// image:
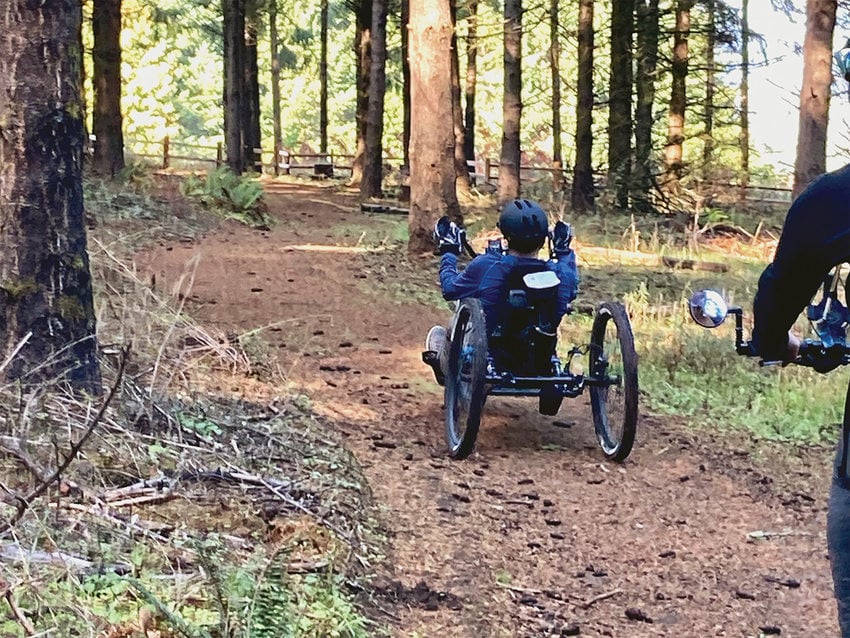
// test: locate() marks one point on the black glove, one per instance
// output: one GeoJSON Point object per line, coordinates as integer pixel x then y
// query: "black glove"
{"type": "Point", "coordinates": [561, 236]}
{"type": "Point", "coordinates": [448, 236]}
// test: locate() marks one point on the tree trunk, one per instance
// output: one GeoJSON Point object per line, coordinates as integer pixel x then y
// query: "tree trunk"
{"type": "Point", "coordinates": [432, 174]}
{"type": "Point", "coordinates": [555, 65]}
{"type": "Point", "coordinates": [620, 100]}
{"type": "Point", "coordinates": [46, 305]}
{"type": "Point", "coordinates": [814, 93]}
{"type": "Point", "coordinates": [106, 55]}
{"type": "Point", "coordinates": [461, 170]}
{"type": "Point", "coordinates": [710, 81]}
{"type": "Point", "coordinates": [251, 107]}
{"type": "Point", "coordinates": [647, 62]}
{"type": "Point", "coordinates": [323, 80]}
{"type": "Point", "coordinates": [363, 53]}
{"type": "Point", "coordinates": [277, 125]}
{"type": "Point", "coordinates": [234, 47]}
{"type": "Point", "coordinates": [405, 74]}
{"type": "Point", "coordinates": [471, 78]}
{"type": "Point", "coordinates": [582, 193]}
{"type": "Point", "coordinates": [509, 162]}
{"type": "Point", "coordinates": [373, 167]}
{"type": "Point", "coordinates": [678, 104]}
{"type": "Point", "coordinates": [745, 102]}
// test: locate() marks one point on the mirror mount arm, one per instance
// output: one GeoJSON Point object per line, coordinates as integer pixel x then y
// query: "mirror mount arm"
{"type": "Point", "coordinates": [742, 346]}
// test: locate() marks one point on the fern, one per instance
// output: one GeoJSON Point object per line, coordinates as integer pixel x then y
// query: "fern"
{"type": "Point", "coordinates": [271, 616]}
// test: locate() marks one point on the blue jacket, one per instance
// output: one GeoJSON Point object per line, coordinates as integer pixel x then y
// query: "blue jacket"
{"type": "Point", "coordinates": [815, 238]}
{"type": "Point", "coordinates": [484, 276]}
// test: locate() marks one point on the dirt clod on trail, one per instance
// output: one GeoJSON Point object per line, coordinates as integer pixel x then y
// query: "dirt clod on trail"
{"type": "Point", "coordinates": [535, 534]}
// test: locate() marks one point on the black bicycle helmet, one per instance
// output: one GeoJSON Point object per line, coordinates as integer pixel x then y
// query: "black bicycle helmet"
{"type": "Point", "coordinates": [523, 219]}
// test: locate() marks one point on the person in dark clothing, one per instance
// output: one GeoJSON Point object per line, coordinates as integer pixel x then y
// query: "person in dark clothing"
{"type": "Point", "coordinates": [815, 239]}
{"type": "Point", "coordinates": [525, 226]}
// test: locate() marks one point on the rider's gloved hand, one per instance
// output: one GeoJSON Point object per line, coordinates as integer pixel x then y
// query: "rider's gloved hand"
{"type": "Point", "coordinates": [448, 236]}
{"type": "Point", "coordinates": [561, 236]}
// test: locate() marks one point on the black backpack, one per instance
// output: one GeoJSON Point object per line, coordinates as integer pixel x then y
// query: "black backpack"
{"type": "Point", "coordinates": [523, 333]}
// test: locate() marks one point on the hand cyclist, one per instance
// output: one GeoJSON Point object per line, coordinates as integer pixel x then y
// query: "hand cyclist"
{"type": "Point", "coordinates": [525, 227]}
{"type": "Point", "coordinates": [815, 238]}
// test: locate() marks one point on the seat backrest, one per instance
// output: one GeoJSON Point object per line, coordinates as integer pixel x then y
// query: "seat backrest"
{"type": "Point", "coordinates": [523, 332]}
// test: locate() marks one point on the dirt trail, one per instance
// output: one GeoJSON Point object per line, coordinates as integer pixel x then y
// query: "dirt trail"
{"type": "Point", "coordinates": [535, 535]}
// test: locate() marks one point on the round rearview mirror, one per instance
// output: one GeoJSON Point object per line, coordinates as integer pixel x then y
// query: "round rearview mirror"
{"type": "Point", "coordinates": [708, 308]}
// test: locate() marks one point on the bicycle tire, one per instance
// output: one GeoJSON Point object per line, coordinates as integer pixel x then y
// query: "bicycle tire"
{"type": "Point", "coordinates": [614, 372]}
{"type": "Point", "coordinates": [465, 377]}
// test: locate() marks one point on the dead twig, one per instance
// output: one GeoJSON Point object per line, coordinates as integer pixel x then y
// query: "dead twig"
{"type": "Point", "coordinates": [25, 502]}
{"type": "Point", "coordinates": [23, 621]}
{"type": "Point", "coordinates": [592, 601]}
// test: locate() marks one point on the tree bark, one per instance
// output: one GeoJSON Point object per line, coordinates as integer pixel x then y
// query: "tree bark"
{"type": "Point", "coordinates": [106, 116]}
{"type": "Point", "coordinates": [251, 107]}
{"type": "Point", "coordinates": [46, 301]}
{"type": "Point", "coordinates": [620, 100]}
{"type": "Point", "coordinates": [373, 168]}
{"type": "Point", "coordinates": [234, 48]}
{"type": "Point", "coordinates": [509, 162]}
{"type": "Point", "coordinates": [471, 79]}
{"type": "Point", "coordinates": [323, 80]}
{"type": "Point", "coordinates": [277, 124]}
{"type": "Point", "coordinates": [744, 139]}
{"type": "Point", "coordinates": [555, 66]}
{"type": "Point", "coordinates": [363, 53]}
{"type": "Point", "coordinates": [582, 193]}
{"type": "Point", "coordinates": [432, 175]}
{"type": "Point", "coordinates": [461, 170]}
{"type": "Point", "coordinates": [647, 63]}
{"type": "Point", "coordinates": [814, 93]}
{"type": "Point", "coordinates": [710, 86]}
{"type": "Point", "coordinates": [678, 96]}
{"type": "Point", "coordinates": [405, 74]}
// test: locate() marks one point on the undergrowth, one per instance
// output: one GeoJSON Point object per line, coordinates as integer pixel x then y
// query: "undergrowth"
{"type": "Point", "coordinates": [189, 510]}
{"type": "Point", "coordinates": [234, 196]}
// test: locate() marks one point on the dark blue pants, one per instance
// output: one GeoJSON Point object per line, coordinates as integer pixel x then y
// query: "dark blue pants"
{"type": "Point", "coordinates": [838, 535]}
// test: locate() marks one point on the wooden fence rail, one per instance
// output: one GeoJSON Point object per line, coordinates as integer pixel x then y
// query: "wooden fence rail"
{"type": "Point", "coordinates": [325, 164]}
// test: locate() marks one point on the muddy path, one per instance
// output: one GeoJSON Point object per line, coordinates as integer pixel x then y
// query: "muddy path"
{"type": "Point", "coordinates": [697, 534]}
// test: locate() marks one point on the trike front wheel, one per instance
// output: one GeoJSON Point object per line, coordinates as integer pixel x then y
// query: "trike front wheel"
{"type": "Point", "coordinates": [465, 377]}
{"type": "Point", "coordinates": [613, 381]}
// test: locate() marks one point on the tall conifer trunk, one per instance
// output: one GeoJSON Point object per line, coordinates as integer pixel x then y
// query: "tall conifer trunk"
{"type": "Point", "coordinates": [582, 193]}
{"type": "Point", "coordinates": [363, 53]}
{"type": "Point", "coordinates": [471, 79]}
{"type": "Point", "coordinates": [234, 99]}
{"type": "Point", "coordinates": [814, 93]}
{"type": "Point", "coordinates": [620, 101]}
{"type": "Point", "coordinates": [106, 116]}
{"type": "Point", "coordinates": [555, 67]}
{"type": "Point", "coordinates": [647, 62]}
{"type": "Point", "coordinates": [678, 92]}
{"type": "Point", "coordinates": [373, 167]}
{"type": "Point", "coordinates": [509, 162]}
{"type": "Point", "coordinates": [47, 320]}
{"type": "Point", "coordinates": [432, 174]}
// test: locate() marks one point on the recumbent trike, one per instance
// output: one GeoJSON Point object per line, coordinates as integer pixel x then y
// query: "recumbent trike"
{"type": "Point", "coordinates": [518, 358]}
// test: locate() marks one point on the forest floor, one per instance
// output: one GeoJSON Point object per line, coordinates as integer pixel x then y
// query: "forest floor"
{"type": "Point", "coordinates": [697, 534]}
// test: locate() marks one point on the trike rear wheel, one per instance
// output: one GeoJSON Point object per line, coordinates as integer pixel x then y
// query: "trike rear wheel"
{"type": "Point", "coordinates": [465, 377]}
{"type": "Point", "coordinates": [614, 381]}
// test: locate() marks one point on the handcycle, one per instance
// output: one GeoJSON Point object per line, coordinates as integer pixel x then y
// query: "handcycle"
{"type": "Point", "coordinates": [828, 316]}
{"type": "Point", "coordinates": [474, 371]}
